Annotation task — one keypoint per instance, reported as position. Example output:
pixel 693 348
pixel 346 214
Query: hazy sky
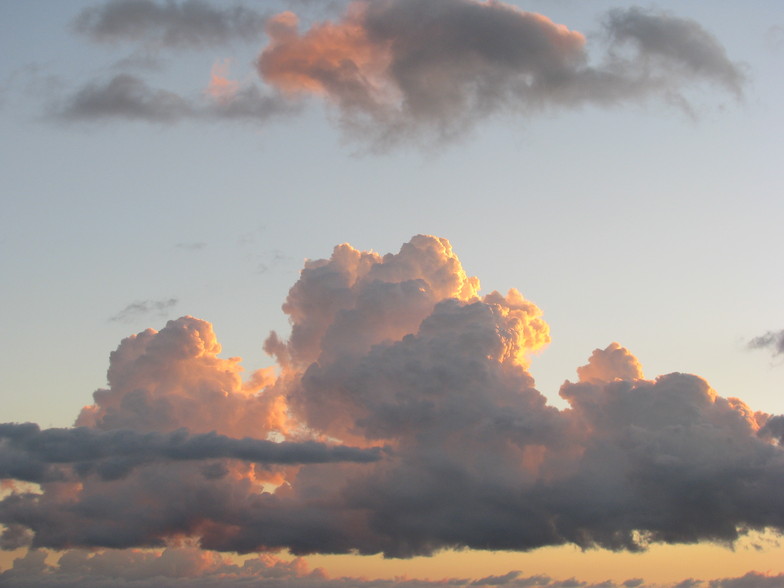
pixel 618 166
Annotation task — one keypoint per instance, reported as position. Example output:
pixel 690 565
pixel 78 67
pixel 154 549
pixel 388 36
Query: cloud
pixel 434 68
pixel 27 452
pixel 772 340
pixel 161 381
pixel 124 96
pixel 131 98
pixel 189 24
pixel 677 42
pixel 144 307
pixel 401 72
pixel 401 352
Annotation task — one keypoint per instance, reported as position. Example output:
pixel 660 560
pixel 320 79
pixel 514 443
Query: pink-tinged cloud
pixel 397 69
pixel 411 424
pixel 221 88
pixel 407 71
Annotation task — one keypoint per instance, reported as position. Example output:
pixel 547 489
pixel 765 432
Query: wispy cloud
pixel 185 25
pixel 773 341
pixel 129 97
pixel 144 308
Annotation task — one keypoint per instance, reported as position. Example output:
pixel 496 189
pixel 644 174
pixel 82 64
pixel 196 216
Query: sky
pixel 391 293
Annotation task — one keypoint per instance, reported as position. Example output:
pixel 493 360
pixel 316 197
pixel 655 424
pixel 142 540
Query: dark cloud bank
pixel 401 420
pixel 397 71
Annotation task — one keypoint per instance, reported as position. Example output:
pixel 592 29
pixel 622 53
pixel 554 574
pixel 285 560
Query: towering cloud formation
pixel 411 424
pixel 402 70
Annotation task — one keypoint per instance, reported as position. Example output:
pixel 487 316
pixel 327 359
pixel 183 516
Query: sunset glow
pixel 247 240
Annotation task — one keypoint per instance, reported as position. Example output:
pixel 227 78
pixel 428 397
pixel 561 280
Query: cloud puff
pixel 161 381
pixel 397 351
pixel 188 24
pixel 394 68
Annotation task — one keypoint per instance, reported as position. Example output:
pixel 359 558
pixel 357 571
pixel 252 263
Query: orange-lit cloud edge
pixel 179 368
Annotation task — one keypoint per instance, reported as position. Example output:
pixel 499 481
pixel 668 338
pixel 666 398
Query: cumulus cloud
pixel 438 436
pixel 395 68
pixel 161 381
pixel 188 24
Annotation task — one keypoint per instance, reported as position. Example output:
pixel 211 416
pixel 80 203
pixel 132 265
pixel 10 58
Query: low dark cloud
pixel 143 308
pixel 773 341
pixel 28 453
pixel 189 24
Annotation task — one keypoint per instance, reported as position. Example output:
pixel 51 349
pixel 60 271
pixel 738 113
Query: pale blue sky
pixel 635 223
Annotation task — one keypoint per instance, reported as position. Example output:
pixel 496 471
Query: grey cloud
pixel 772 341
pixel 26 451
pixel 403 71
pixel 143 308
pixel 124 96
pixel 129 97
pixel 188 24
pixel 680 43
pixel 433 68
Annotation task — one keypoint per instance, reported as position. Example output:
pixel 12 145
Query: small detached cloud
pixel 143 308
pixel 773 341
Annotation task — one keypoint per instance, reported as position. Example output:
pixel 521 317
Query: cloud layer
pixel 397 71
pixel 436 435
